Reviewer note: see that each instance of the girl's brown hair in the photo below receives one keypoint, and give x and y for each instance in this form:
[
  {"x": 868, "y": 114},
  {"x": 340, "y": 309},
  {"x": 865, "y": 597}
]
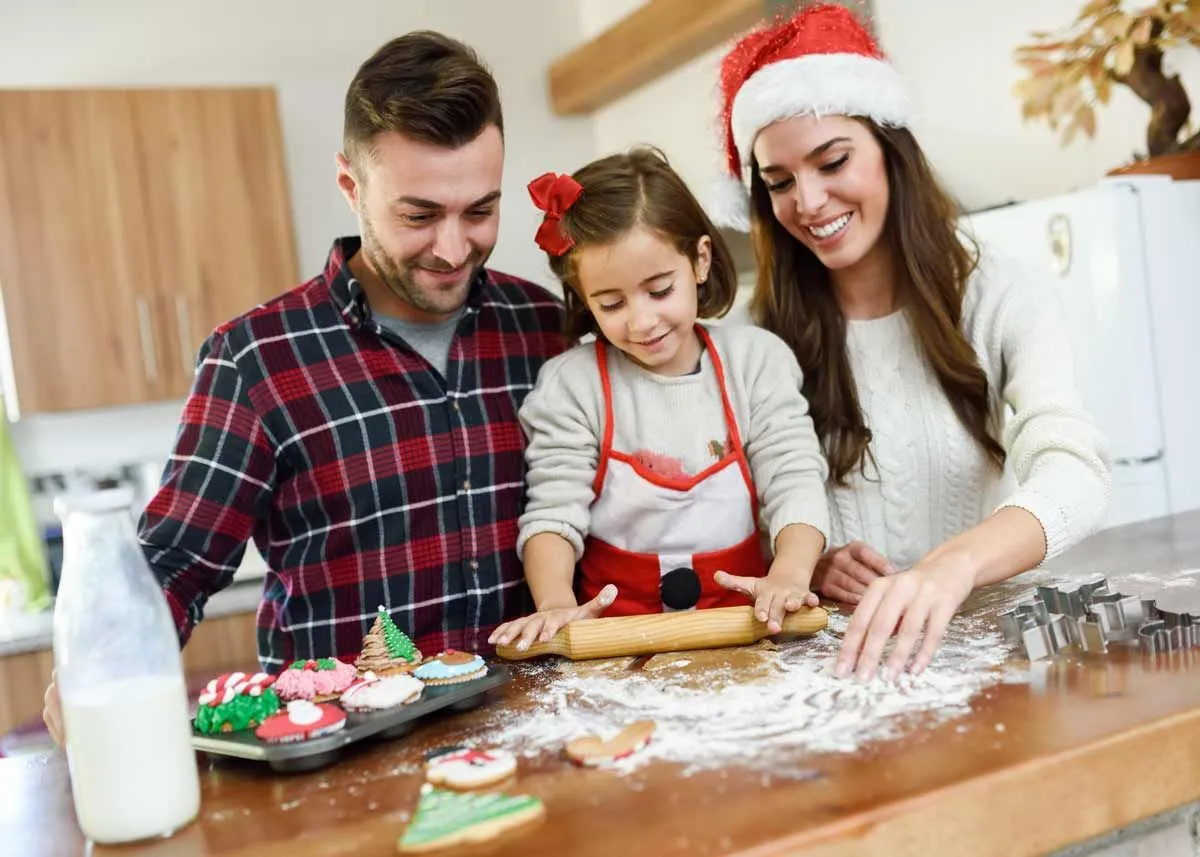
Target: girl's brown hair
[
  {"x": 794, "y": 298},
  {"x": 620, "y": 192}
]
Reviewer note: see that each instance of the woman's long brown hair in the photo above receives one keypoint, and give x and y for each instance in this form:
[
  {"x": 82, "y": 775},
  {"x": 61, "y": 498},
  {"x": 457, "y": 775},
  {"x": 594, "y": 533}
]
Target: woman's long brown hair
[{"x": 794, "y": 298}]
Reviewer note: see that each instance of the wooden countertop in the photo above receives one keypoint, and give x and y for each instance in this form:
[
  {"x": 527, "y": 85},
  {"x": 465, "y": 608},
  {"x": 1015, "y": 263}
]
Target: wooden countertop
[{"x": 1097, "y": 742}]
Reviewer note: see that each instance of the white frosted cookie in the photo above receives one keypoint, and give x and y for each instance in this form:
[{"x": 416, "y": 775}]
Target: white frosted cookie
[
  {"x": 376, "y": 693},
  {"x": 471, "y": 769}
]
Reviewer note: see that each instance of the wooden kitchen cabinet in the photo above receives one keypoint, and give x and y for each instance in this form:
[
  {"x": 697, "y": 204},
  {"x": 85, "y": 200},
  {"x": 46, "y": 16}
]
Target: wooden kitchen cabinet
[
  {"x": 218, "y": 645},
  {"x": 133, "y": 222}
]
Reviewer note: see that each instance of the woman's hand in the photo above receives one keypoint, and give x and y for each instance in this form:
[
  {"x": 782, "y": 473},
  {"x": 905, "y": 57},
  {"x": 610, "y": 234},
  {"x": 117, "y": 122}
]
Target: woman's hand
[
  {"x": 772, "y": 596},
  {"x": 844, "y": 573},
  {"x": 52, "y": 712},
  {"x": 544, "y": 624},
  {"x": 922, "y": 599}
]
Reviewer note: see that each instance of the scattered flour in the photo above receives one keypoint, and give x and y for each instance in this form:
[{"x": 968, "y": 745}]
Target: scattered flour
[
  {"x": 788, "y": 706},
  {"x": 777, "y": 708}
]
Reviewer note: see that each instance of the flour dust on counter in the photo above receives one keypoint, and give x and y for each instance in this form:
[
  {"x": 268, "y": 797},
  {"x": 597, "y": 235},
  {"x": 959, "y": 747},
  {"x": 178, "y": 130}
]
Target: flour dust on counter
[{"x": 764, "y": 707}]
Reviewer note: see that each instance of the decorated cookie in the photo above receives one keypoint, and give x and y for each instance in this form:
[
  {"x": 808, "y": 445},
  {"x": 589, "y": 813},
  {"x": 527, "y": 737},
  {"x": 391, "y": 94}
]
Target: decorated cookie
[
  {"x": 444, "y": 819},
  {"x": 451, "y": 667},
  {"x": 594, "y": 752},
  {"x": 302, "y": 720},
  {"x": 321, "y": 680},
  {"x": 470, "y": 769},
  {"x": 236, "y": 701},
  {"x": 376, "y": 693},
  {"x": 386, "y": 649}
]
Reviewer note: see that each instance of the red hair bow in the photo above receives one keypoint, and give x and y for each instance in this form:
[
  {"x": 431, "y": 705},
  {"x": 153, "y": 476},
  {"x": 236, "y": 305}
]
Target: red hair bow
[{"x": 554, "y": 194}]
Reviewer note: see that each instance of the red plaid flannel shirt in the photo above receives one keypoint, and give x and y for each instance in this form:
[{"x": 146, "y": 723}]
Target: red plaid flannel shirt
[{"x": 363, "y": 476}]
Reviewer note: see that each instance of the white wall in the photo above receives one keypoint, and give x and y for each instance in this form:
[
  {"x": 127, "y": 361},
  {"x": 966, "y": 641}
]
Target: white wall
[
  {"x": 309, "y": 50},
  {"x": 677, "y": 112},
  {"x": 956, "y": 57}
]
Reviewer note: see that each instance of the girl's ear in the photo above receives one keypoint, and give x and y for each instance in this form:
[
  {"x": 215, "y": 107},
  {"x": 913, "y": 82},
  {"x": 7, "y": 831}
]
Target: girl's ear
[{"x": 703, "y": 258}]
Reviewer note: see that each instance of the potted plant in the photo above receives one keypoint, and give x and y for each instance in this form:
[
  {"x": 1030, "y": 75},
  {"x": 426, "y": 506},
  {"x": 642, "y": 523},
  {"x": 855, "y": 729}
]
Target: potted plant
[{"x": 1072, "y": 71}]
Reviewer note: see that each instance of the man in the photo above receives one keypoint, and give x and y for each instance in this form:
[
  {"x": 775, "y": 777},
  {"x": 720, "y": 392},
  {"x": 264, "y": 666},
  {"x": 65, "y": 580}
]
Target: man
[{"x": 362, "y": 428}]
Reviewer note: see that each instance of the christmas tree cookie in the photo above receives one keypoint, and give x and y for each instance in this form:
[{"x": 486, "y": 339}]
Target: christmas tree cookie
[
  {"x": 447, "y": 818},
  {"x": 236, "y": 701},
  {"x": 386, "y": 649}
]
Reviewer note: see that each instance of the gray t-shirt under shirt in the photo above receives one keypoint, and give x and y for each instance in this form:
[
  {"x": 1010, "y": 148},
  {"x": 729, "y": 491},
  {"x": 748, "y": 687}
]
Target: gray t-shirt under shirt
[{"x": 431, "y": 341}]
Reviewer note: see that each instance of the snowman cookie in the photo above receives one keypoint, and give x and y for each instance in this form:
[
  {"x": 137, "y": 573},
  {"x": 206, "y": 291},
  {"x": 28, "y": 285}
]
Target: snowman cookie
[{"x": 467, "y": 768}]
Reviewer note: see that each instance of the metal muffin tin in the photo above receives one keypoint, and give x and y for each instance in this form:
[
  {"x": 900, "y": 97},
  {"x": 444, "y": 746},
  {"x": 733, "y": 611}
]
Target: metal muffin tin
[{"x": 390, "y": 723}]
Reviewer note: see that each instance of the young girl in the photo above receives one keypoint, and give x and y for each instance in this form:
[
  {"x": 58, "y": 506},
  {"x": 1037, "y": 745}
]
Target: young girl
[
  {"x": 912, "y": 342},
  {"x": 655, "y": 451}
]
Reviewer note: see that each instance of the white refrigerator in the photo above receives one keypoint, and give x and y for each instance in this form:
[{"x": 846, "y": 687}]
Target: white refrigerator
[{"x": 1125, "y": 256}]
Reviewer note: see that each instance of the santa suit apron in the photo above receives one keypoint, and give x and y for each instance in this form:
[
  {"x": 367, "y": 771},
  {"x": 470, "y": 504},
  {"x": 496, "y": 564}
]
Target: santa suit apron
[{"x": 661, "y": 539}]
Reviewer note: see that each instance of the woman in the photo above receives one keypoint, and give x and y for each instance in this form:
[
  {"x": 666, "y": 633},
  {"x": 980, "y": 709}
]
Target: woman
[{"x": 912, "y": 341}]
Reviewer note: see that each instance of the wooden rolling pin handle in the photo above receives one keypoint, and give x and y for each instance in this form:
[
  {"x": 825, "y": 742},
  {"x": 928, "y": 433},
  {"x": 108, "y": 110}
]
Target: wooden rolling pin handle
[{"x": 655, "y": 633}]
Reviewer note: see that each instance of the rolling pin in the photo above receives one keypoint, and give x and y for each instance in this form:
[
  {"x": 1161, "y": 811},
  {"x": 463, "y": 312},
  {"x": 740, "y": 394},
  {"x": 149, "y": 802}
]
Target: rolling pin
[{"x": 655, "y": 633}]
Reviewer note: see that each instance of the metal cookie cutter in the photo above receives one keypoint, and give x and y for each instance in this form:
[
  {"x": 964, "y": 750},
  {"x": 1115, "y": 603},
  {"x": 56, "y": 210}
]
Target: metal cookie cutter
[
  {"x": 1058, "y": 617},
  {"x": 1088, "y": 615},
  {"x": 1092, "y": 616},
  {"x": 1029, "y": 624},
  {"x": 1176, "y": 625}
]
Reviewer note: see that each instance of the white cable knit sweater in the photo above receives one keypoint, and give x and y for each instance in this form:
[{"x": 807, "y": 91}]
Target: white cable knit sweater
[{"x": 933, "y": 481}]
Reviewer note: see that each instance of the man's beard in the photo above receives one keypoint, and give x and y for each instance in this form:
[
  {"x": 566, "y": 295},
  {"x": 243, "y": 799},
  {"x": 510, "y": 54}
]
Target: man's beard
[{"x": 400, "y": 281}]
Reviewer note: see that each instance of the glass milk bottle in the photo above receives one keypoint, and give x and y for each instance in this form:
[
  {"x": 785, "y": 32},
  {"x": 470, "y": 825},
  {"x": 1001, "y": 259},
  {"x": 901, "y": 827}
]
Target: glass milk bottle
[{"x": 124, "y": 702}]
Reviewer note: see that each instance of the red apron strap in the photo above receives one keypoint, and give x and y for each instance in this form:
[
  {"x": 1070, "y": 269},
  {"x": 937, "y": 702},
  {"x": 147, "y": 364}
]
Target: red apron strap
[
  {"x": 730, "y": 421},
  {"x": 606, "y": 440}
]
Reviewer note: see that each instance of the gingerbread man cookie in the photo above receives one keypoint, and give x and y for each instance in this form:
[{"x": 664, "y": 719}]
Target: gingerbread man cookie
[
  {"x": 591, "y": 751},
  {"x": 467, "y": 768}
]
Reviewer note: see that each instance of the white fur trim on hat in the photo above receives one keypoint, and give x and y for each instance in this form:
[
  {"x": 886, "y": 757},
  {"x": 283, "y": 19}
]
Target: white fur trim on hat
[
  {"x": 820, "y": 84},
  {"x": 728, "y": 203}
]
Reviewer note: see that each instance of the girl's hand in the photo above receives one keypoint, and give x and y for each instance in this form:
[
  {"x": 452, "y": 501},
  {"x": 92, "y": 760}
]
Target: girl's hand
[
  {"x": 844, "y": 573},
  {"x": 772, "y": 596},
  {"x": 544, "y": 624},
  {"x": 922, "y": 599}
]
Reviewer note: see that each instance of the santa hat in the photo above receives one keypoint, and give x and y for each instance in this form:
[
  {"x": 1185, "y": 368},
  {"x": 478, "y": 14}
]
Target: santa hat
[{"x": 821, "y": 61}]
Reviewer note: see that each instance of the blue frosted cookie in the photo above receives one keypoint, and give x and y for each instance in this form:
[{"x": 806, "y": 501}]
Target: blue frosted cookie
[{"x": 451, "y": 667}]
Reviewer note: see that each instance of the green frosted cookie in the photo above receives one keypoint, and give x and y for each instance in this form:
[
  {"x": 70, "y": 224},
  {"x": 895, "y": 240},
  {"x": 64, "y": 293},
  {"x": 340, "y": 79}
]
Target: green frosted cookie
[
  {"x": 236, "y": 701},
  {"x": 447, "y": 818}
]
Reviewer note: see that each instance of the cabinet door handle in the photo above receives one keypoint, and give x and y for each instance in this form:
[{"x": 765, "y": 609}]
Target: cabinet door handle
[
  {"x": 146, "y": 340},
  {"x": 183, "y": 318}
]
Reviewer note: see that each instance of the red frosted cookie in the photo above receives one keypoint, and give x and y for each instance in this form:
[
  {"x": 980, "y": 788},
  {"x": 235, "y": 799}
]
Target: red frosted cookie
[{"x": 302, "y": 720}]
